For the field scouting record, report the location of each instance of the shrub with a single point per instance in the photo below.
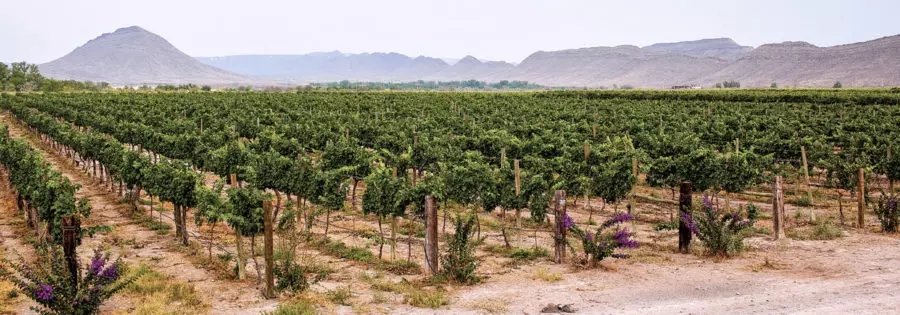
(459, 261)
(49, 284)
(603, 243)
(294, 308)
(720, 231)
(888, 213)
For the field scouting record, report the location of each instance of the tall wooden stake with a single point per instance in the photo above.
(890, 181)
(239, 240)
(685, 205)
(269, 249)
(861, 199)
(812, 215)
(431, 236)
(70, 227)
(559, 209)
(778, 208)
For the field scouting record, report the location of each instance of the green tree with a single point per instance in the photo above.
(4, 76)
(837, 85)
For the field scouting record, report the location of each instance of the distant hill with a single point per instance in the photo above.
(336, 66)
(723, 48)
(800, 64)
(135, 56)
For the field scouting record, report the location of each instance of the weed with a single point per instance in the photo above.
(426, 298)
(340, 295)
(543, 274)
(491, 305)
(294, 308)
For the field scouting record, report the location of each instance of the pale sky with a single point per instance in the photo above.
(38, 31)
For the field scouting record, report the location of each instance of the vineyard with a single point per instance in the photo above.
(381, 202)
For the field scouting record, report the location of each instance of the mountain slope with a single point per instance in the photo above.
(723, 48)
(133, 55)
(608, 66)
(800, 64)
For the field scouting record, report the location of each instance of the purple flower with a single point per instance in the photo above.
(707, 203)
(44, 292)
(618, 219)
(567, 221)
(627, 243)
(619, 256)
(689, 222)
(590, 237)
(891, 205)
(734, 216)
(743, 224)
(111, 273)
(97, 263)
(621, 235)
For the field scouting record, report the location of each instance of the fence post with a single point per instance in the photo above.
(634, 169)
(269, 249)
(70, 227)
(502, 157)
(685, 205)
(890, 181)
(559, 210)
(861, 199)
(238, 239)
(431, 236)
(778, 208)
(808, 186)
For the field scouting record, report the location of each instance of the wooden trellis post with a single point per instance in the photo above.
(778, 208)
(269, 249)
(431, 236)
(812, 215)
(861, 199)
(238, 240)
(559, 209)
(70, 227)
(685, 205)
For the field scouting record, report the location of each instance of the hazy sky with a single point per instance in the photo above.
(40, 30)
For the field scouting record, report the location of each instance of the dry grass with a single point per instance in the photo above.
(156, 293)
(415, 293)
(490, 305)
(543, 273)
(767, 265)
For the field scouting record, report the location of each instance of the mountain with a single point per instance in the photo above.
(723, 48)
(800, 64)
(470, 68)
(419, 68)
(132, 56)
(608, 66)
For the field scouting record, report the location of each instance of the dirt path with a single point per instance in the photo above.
(148, 247)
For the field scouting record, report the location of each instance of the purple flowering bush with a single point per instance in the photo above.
(603, 242)
(722, 232)
(48, 282)
(888, 213)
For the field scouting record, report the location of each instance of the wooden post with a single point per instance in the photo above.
(431, 236)
(518, 180)
(861, 199)
(201, 126)
(595, 130)
(239, 240)
(70, 226)
(634, 169)
(269, 249)
(587, 151)
(502, 157)
(812, 214)
(778, 208)
(890, 181)
(685, 205)
(559, 210)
